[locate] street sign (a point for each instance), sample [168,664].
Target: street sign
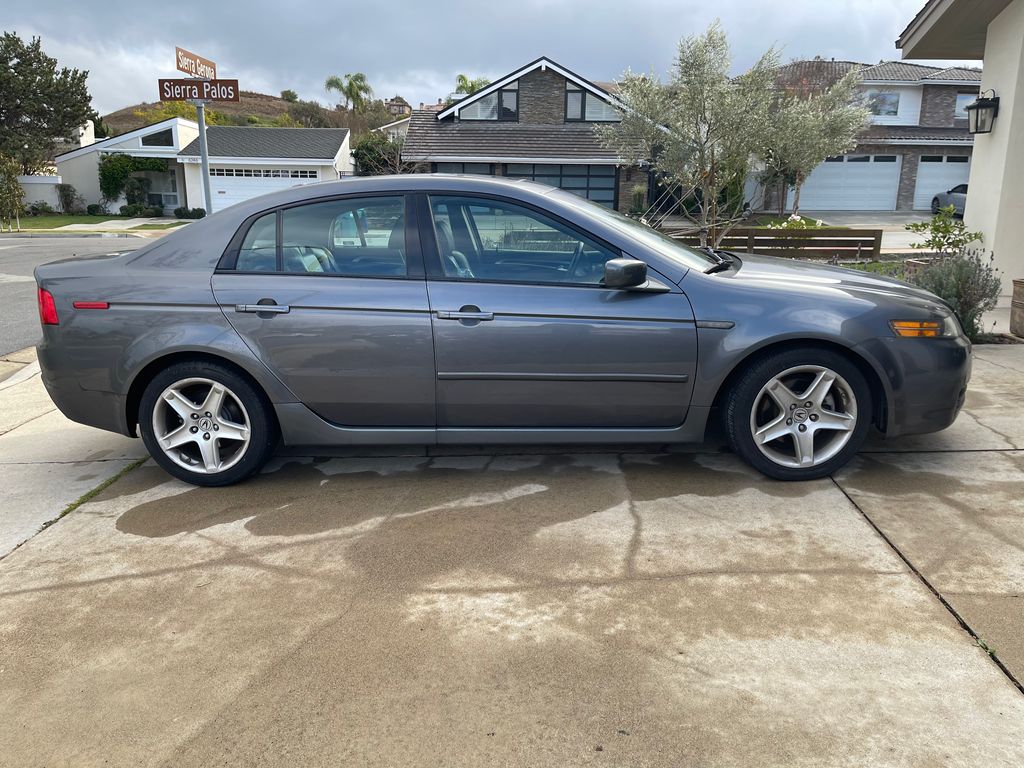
[198,90]
[194,64]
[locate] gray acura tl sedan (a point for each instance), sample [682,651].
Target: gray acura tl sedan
[428,309]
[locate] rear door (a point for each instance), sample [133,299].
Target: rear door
[526,336]
[331,296]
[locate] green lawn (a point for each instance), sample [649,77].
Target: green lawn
[169,225]
[59,220]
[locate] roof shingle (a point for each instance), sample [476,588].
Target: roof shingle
[245,141]
[430,139]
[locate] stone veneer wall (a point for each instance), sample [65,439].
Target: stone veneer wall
[542,98]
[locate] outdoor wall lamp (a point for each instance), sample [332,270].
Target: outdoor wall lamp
[982,112]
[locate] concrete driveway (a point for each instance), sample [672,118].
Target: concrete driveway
[895,238]
[543,609]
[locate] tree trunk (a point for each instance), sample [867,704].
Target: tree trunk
[783,192]
[796,196]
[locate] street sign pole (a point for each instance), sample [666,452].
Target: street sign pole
[204,155]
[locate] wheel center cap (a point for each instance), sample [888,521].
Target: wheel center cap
[206,424]
[800,415]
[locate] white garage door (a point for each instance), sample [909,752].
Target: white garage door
[937,173]
[852,183]
[233,185]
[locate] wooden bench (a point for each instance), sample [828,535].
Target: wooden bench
[821,243]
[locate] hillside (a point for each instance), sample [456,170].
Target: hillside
[262,107]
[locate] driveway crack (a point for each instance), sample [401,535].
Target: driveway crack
[931,588]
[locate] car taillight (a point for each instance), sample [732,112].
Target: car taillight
[90,305]
[47,309]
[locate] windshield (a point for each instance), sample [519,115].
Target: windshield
[684,255]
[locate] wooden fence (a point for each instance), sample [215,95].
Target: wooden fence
[802,243]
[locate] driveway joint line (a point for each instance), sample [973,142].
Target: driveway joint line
[27,421]
[931,588]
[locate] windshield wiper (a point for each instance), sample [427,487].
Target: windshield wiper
[721,266]
[723,260]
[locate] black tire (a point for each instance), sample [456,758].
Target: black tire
[740,402]
[258,413]
[935,205]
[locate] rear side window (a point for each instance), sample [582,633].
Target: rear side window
[259,248]
[362,237]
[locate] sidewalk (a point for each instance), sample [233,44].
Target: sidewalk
[47,462]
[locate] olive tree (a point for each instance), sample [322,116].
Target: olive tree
[805,128]
[700,130]
[12,196]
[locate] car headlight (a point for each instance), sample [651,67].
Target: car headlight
[947,327]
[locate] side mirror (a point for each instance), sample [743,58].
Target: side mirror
[624,273]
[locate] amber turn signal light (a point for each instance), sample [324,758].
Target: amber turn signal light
[916,327]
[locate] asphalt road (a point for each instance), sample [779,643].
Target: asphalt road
[19,318]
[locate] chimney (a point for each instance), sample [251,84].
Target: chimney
[86,134]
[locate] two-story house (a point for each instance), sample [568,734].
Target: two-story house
[534,123]
[916,146]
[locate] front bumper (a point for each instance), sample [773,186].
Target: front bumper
[926,381]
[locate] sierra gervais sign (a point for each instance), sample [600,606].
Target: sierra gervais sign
[195,65]
[198,90]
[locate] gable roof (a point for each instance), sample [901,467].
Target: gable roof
[106,143]
[542,63]
[905,72]
[248,141]
[393,123]
[813,74]
[430,139]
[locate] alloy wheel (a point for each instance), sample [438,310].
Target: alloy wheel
[803,416]
[201,425]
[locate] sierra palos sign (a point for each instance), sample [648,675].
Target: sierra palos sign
[198,90]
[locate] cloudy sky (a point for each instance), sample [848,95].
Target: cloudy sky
[416,47]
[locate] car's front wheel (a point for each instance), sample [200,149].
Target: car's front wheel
[935,205]
[799,414]
[206,424]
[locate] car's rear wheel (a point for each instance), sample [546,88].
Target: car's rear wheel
[799,414]
[206,424]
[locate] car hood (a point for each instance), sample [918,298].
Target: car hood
[809,277]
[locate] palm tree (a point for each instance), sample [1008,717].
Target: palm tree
[353,88]
[466,84]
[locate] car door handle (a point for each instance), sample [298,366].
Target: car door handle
[275,309]
[464,315]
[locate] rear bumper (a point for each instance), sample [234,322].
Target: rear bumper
[103,410]
[927,381]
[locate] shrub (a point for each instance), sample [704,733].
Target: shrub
[70,201]
[189,213]
[944,233]
[796,221]
[197,213]
[968,282]
[94,209]
[181,212]
[636,199]
[132,210]
[40,208]
[136,190]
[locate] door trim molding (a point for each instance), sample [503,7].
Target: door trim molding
[680,378]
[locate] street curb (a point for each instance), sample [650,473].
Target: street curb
[29,235]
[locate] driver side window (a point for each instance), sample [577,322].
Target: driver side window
[492,240]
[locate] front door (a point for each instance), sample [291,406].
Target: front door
[328,296]
[525,336]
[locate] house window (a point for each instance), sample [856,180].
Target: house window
[834,159]
[583,106]
[594,182]
[159,139]
[858,159]
[481,169]
[962,100]
[884,103]
[885,158]
[931,158]
[502,104]
[957,159]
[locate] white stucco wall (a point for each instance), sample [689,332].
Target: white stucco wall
[995,201]
[41,189]
[82,173]
[194,177]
